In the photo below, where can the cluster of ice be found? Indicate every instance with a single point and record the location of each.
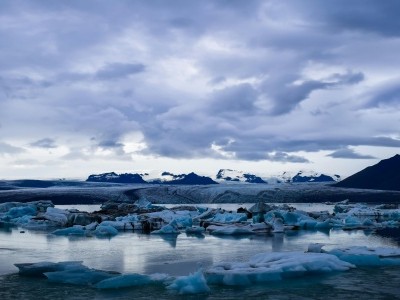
(147, 218)
(260, 268)
(361, 255)
(74, 272)
(274, 266)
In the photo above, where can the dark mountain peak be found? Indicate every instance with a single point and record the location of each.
(192, 178)
(115, 178)
(385, 175)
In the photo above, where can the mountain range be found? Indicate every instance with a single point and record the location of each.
(223, 176)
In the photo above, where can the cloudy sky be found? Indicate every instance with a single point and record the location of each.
(259, 86)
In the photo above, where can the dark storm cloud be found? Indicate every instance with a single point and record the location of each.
(286, 95)
(360, 15)
(258, 79)
(235, 99)
(350, 154)
(118, 70)
(388, 95)
(284, 157)
(47, 143)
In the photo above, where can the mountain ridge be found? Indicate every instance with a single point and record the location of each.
(385, 175)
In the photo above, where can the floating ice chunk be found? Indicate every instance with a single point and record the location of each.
(123, 281)
(75, 230)
(56, 215)
(128, 218)
(171, 228)
(229, 230)
(17, 212)
(131, 280)
(274, 266)
(229, 217)
(195, 230)
(315, 247)
(206, 214)
(239, 229)
(83, 276)
(192, 284)
(183, 218)
(277, 225)
(364, 256)
(105, 231)
(39, 268)
(143, 203)
(91, 226)
(119, 225)
(328, 223)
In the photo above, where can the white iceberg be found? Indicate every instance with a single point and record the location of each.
(171, 228)
(56, 216)
(274, 266)
(192, 284)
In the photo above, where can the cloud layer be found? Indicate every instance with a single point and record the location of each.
(241, 80)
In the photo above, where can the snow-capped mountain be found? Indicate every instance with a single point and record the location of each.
(306, 176)
(164, 178)
(191, 178)
(116, 178)
(228, 175)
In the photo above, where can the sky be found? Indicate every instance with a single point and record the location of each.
(258, 86)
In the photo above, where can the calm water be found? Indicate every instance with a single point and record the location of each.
(133, 252)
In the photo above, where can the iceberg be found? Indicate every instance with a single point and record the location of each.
(192, 284)
(75, 230)
(123, 281)
(82, 276)
(105, 231)
(39, 268)
(171, 228)
(195, 230)
(364, 256)
(56, 216)
(266, 267)
(361, 255)
(229, 217)
(131, 280)
(239, 229)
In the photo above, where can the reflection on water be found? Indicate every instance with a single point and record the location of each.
(135, 252)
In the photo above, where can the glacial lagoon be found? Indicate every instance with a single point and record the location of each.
(182, 254)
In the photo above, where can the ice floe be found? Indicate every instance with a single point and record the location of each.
(192, 284)
(361, 255)
(260, 268)
(39, 268)
(265, 267)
